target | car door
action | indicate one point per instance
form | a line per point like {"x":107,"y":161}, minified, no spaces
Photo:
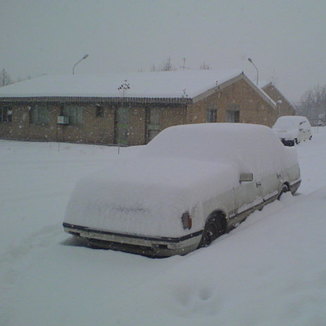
{"x":270,"y":185}
{"x":248,"y":195}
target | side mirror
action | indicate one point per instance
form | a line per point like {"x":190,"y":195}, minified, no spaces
{"x":246,"y":177}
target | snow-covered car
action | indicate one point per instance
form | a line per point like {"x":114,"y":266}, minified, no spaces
{"x":292,"y":129}
{"x":182,"y":190}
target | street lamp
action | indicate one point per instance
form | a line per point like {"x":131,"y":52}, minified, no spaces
{"x":83,"y":58}
{"x":250,"y":60}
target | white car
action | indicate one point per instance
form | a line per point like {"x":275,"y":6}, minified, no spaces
{"x":181,"y":191}
{"x":292,"y":129}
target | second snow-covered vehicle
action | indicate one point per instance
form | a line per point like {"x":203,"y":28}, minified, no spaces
{"x":292,"y":129}
{"x":189,"y":185}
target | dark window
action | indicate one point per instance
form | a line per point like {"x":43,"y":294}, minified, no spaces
{"x":39,"y":114}
{"x":232,"y":116}
{"x":74,"y":112}
{"x":5,"y":114}
{"x":211,"y":115}
{"x":99,"y":111}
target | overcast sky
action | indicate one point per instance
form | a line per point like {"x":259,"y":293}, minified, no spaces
{"x":286,"y":39}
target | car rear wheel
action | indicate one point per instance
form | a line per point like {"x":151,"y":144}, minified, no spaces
{"x":214,"y":227}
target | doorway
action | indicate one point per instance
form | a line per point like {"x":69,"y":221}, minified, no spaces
{"x":122,"y":126}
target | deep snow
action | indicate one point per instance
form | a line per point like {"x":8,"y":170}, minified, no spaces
{"x":271,"y":270}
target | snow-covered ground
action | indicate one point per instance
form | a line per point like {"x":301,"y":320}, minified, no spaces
{"x":271,"y":270}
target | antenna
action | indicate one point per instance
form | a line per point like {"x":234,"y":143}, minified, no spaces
{"x":124,"y":87}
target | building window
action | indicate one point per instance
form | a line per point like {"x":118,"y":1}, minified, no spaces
{"x":211,"y":115}
{"x":5,"y":114}
{"x":99,"y":111}
{"x":232,"y":116}
{"x":39,"y":114}
{"x":75,"y":114}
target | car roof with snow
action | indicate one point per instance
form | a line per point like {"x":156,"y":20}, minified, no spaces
{"x":251,"y":147}
{"x":289,"y":120}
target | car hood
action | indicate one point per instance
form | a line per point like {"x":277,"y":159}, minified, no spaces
{"x":147,"y":196}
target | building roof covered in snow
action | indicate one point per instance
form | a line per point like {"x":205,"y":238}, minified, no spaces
{"x":183,"y":85}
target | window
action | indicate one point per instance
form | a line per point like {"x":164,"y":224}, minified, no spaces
{"x":39,"y":114}
{"x":233,"y":113}
{"x":232,"y":116}
{"x":5,"y":114}
{"x":74,"y":112}
{"x":211,"y":115}
{"x":99,"y":111}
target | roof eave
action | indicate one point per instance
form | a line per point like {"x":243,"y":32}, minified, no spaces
{"x":94,"y":99}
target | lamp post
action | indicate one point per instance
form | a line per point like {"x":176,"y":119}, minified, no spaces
{"x":83,"y":58}
{"x":250,"y":60}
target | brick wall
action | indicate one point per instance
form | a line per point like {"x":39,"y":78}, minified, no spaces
{"x":98,"y":122}
{"x":239,"y":96}
{"x":284,"y":107}
{"x":92,"y":129}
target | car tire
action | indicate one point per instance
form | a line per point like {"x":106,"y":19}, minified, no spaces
{"x":214,"y":227}
{"x":296,"y":141}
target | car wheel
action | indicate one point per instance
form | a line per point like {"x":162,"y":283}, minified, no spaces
{"x":284,"y":189}
{"x":310,"y":137}
{"x":214,"y":227}
{"x":296,"y":141}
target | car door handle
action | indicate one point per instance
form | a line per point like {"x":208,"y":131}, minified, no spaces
{"x":258,"y":184}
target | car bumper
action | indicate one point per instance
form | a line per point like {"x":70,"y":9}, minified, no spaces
{"x":148,"y":246}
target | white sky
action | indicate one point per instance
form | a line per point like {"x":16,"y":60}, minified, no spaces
{"x":285,"y":38}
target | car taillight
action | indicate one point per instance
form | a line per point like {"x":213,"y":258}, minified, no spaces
{"x":186,"y":220}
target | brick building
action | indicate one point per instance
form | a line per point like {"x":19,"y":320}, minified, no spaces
{"x":127,"y":109}
{"x":284,"y":106}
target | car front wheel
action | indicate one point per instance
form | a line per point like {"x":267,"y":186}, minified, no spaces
{"x":214,"y":227}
